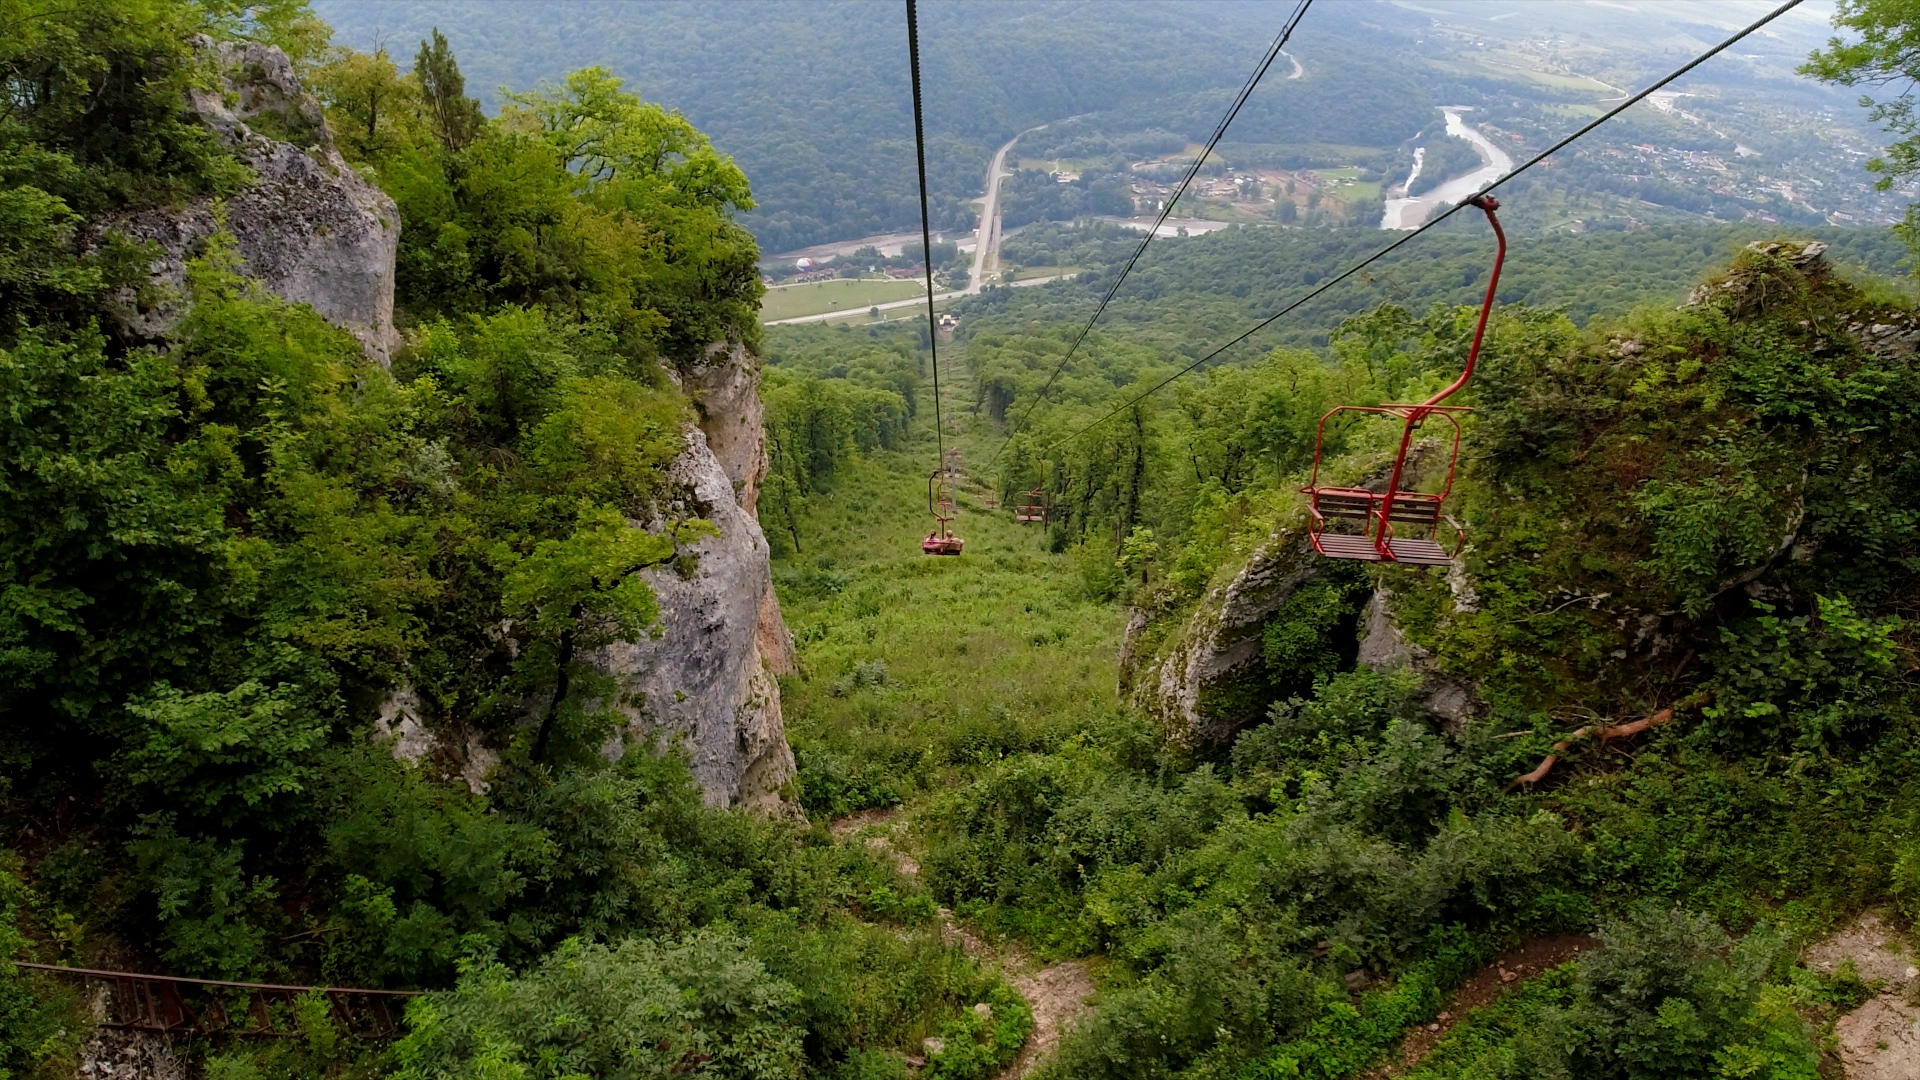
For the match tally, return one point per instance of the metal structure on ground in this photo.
(166, 1003)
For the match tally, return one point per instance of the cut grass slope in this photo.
(915, 669)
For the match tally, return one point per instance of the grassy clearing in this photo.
(1028, 273)
(915, 671)
(1345, 184)
(816, 297)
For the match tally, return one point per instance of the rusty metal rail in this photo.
(157, 1003)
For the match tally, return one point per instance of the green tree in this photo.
(374, 108)
(1887, 53)
(699, 1006)
(455, 118)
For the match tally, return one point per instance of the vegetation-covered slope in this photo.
(1291, 901)
(226, 543)
(227, 549)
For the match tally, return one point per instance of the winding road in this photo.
(986, 249)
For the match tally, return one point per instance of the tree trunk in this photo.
(562, 682)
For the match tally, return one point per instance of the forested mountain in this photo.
(810, 99)
(324, 640)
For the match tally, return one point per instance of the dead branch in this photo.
(1603, 732)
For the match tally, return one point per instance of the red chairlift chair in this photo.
(941, 505)
(1368, 519)
(1033, 508)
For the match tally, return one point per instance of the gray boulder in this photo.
(308, 229)
(705, 680)
(1210, 681)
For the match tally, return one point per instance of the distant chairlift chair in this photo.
(1355, 523)
(940, 503)
(1033, 508)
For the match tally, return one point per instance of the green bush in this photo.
(1669, 995)
(697, 1005)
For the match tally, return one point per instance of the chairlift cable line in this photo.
(926, 232)
(941, 502)
(1450, 211)
(1220, 129)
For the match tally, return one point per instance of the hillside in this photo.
(1669, 517)
(1125, 91)
(384, 607)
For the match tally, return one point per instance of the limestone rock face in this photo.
(704, 680)
(1384, 647)
(309, 229)
(1879, 1040)
(1206, 686)
(122, 1054)
(725, 388)
(707, 681)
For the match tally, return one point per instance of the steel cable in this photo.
(1452, 210)
(1220, 129)
(926, 233)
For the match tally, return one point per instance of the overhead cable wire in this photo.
(1220, 129)
(1450, 211)
(926, 233)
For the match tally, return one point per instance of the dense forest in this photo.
(227, 539)
(811, 98)
(1287, 899)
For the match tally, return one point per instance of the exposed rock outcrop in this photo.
(725, 388)
(123, 1054)
(706, 682)
(1880, 1040)
(311, 230)
(1384, 647)
(308, 228)
(1209, 679)
(1209, 683)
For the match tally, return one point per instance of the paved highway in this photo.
(986, 249)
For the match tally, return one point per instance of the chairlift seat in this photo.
(941, 504)
(1376, 513)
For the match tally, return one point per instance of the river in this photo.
(1409, 213)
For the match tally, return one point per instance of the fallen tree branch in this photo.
(1603, 732)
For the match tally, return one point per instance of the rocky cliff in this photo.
(707, 682)
(1201, 669)
(308, 228)
(1208, 680)
(311, 230)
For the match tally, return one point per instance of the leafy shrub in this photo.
(698, 1005)
(214, 918)
(1807, 681)
(39, 1024)
(1670, 995)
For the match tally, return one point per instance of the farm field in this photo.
(814, 297)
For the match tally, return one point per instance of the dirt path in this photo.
(1509, 970)
(1880, 1040)
(1056, 993)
